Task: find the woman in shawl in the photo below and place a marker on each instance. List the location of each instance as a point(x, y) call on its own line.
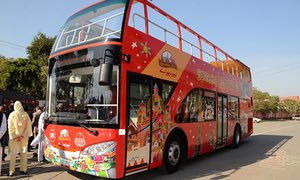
point(19, 129)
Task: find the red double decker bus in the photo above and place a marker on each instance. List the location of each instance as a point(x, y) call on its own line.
point(130, 88)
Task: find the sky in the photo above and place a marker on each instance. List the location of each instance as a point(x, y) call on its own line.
point(263, 34)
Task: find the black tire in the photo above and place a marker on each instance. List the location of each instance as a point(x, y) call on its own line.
point(173, 154)
point(236, 137)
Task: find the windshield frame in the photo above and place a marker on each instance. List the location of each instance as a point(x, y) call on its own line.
point(56, 48)
point(52, 100)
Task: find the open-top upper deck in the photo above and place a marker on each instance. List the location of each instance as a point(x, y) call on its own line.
point(184, 38)
point(105, 20)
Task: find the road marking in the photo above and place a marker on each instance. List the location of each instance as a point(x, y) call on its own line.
point(273, 130)
point(275, 148)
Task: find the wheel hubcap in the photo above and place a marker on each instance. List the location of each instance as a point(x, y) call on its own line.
point(174, 153)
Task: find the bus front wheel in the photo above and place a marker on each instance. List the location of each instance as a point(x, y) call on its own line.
point(173, 154)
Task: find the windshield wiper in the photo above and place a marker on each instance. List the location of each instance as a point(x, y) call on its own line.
point(94, 132)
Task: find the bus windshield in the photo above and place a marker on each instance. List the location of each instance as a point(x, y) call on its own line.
point(98, 22)
point(75, 96)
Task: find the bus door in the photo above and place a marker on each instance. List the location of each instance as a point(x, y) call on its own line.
point(138, 124)
point(222, 120)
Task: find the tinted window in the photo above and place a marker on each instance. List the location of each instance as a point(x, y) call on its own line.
point(191, 108)
point(209, 105)
point(233, 108)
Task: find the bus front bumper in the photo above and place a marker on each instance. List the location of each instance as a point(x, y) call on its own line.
point(97, 160)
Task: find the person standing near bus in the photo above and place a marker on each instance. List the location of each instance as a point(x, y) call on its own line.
point(34, 122)
point(38, 140)
point(19, 129)
point(3, 131)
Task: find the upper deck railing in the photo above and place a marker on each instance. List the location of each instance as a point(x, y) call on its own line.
point(216, 56)
point(87, 32)
point(166, 32)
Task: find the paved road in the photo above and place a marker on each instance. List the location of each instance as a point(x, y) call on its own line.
point(272, 152)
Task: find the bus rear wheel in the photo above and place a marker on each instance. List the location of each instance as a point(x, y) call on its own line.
point(173, 154)
point(236, 138)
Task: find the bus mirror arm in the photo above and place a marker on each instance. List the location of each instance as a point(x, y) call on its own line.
point(106, 69)
point(118, 57)
point(95, 62)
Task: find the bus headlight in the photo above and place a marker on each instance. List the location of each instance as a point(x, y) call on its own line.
point(99, 149)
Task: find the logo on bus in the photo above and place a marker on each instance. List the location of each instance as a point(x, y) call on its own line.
point(64, 138)
point(79, 140)
point(167, 61)
point(168, 64)
point(52, 135)
point(64, 135)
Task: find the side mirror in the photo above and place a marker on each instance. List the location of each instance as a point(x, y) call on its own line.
point(105, 75)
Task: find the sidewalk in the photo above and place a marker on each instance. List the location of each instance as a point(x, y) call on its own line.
point(34, 168)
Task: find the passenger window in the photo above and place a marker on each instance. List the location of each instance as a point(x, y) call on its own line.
point(191, 108)
point(233, 108)
point(167, 90)
point(139, 96)
point(161, 93)
point(209, 105)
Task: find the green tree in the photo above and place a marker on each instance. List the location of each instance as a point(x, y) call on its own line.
point(23, 76)
point(4, 71)
point(39, 51)
point(40, 48)
point(264, 102)
point(274, 104)
point(290, 106)
point(261, 101)
point(28, 74)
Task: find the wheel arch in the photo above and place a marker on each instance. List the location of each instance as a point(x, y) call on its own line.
point(180, 133)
